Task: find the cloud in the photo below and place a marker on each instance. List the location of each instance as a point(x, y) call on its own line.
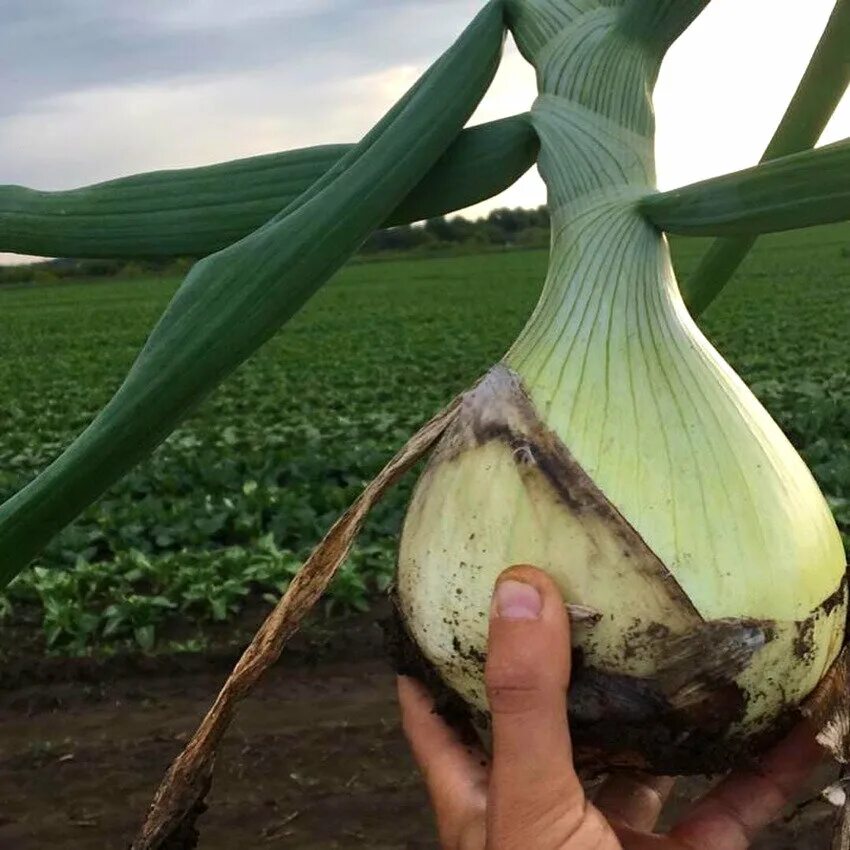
point(95, 134)
point(54, 47)
point(223, 13)
point(100, 88)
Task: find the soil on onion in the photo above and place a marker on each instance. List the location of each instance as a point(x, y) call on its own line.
point(315, 760)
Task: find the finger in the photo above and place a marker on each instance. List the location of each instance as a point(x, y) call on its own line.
point(731, 815)
point(633, 799)
point(455, 774)
point(527, 674)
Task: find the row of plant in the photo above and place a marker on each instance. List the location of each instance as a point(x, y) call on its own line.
point(224, 512)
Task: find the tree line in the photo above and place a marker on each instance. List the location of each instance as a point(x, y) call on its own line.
point(501, 228)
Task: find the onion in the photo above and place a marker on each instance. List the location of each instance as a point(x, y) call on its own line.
point(614, 448)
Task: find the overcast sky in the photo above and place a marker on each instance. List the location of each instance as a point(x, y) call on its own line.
point(94, 89)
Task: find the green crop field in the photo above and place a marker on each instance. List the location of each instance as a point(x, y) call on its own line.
point(226, 510)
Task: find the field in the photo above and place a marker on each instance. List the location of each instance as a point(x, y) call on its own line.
point(155, 587)
point(221, 516)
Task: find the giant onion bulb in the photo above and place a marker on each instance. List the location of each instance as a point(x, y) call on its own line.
point(614, 448)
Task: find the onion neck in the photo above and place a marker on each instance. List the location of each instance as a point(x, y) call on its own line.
point(595, 122)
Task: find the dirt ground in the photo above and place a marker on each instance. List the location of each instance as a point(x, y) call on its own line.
point(315, 760)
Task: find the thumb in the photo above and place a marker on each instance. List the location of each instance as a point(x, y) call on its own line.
point(527, 675)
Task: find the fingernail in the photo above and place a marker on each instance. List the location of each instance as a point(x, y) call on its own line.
point(515, 600)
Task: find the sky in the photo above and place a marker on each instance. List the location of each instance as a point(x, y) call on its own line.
point(95, 89)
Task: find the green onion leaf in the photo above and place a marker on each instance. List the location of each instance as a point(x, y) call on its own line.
point(659, 23)
point(195, 211)
point(803, 190)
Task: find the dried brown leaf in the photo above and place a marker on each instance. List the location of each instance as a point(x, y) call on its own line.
point(179, 801)
point(828, 708)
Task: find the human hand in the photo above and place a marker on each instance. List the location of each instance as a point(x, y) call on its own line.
point(529, 796)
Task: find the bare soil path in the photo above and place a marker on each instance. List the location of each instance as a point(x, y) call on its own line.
point(315, 761)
